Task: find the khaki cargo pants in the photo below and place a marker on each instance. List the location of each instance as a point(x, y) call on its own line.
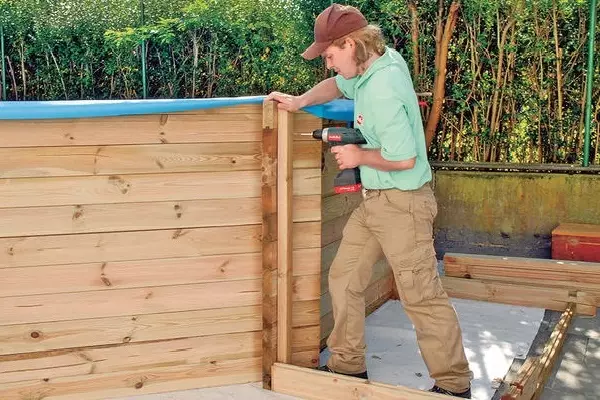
point(397, 224)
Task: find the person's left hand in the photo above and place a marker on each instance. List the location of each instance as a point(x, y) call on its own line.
point(347, 156)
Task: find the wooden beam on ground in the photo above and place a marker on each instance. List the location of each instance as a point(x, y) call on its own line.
point(532, 376)
point(520, 295)
point(269, 240)
point(311, 384)
point(284, 236)
point(461, 265)
point(572, 275)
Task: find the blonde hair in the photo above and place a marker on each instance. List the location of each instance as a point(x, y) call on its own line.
point(369, 40)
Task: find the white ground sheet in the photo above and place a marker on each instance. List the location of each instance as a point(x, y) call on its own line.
point(493, 335)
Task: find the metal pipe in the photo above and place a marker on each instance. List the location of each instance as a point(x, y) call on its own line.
point(3, 62)
point(589, 83)
point(144, 89)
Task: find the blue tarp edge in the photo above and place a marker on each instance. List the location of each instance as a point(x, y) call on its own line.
point(342, 110)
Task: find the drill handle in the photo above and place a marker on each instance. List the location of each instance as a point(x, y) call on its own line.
point(347, 181)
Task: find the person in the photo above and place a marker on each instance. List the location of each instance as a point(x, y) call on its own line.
point(396, 216)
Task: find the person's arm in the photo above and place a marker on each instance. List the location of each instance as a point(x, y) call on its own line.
point(350, 156)
point(323, 92)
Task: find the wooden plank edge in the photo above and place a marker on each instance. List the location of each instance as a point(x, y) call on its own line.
point(269, 240)
point(312, 384)
point(129, 383)
point(284, 235)
point(529, 296)
point(532, 376)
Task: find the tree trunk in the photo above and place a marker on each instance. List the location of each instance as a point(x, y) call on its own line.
point(23, 74)
point(14, 79)
point(196, 51)
point(440, 73)
point(414, 18)
point(559, 92)
point(496, 102)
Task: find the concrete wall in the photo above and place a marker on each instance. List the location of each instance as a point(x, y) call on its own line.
point(511, 213)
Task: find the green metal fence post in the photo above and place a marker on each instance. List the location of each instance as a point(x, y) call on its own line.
point(3, 62)
point(145, 90)
point(589, 83)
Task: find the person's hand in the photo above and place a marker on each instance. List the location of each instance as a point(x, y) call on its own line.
point(347, 156)
point(285, 101)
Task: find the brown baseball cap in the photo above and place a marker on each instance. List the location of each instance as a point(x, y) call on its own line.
point(334, 22)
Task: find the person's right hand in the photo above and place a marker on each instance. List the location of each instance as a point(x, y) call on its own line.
point(285, 101)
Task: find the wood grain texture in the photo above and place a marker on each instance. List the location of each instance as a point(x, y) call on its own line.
point(141, 159)
point(285, 185)
point(94, 218)
point(45, 336)
point(151, 299)
point(128, 383)
point(316, 385)
point(122, 246)
point(226, 124)
point(522, 295)
point(130, 357)
point(64, 278)
point(60, 191)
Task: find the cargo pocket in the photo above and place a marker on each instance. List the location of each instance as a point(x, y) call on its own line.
point(418, 285)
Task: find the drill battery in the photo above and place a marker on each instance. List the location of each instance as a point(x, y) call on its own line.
point(348, 180)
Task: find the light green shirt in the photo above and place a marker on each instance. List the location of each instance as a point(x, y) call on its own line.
point(386, 111)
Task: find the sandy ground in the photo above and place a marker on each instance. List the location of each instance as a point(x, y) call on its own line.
point(493, 335)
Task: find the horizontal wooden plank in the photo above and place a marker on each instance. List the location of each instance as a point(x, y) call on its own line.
point(328, 254)
point(129, 383)
point(130, 357)
point(554, 278)
point(522, 295)
point(225, 124)
point(44, 336)
point(121, 246)
point(142, 159)
point(330, 170)
point(93, 218)
point(333, 230)
point(306, 287)
point(58, 191)
point(340, 204)
point(308, 359)
point(456, 261)
point(121, 302)
point(589, 288)
point(151, 299)
point(305, 123)
point(66, 278)
point(311, 384)
point(581, 230)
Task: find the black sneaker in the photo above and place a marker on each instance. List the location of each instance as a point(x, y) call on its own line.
point(465, 395)
point(361, 375)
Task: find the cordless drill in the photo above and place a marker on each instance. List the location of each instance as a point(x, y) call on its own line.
point(348, 180)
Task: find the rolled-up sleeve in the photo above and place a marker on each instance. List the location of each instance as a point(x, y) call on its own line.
point(392, 123)
point(346, 86)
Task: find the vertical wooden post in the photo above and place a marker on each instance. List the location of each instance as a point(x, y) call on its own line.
point(269, 239)
point(284, 236)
